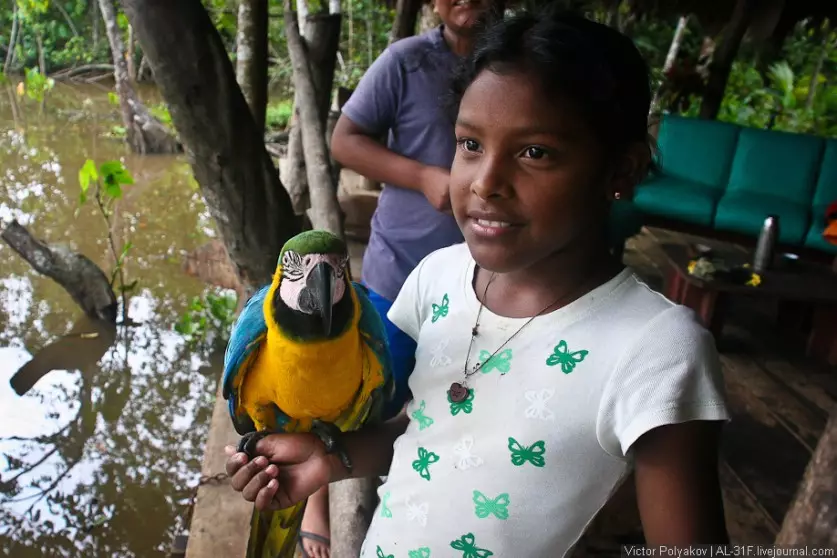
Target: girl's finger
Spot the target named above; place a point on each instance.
(264, 498)
(235, 461)
(259, 481)
(242, 477)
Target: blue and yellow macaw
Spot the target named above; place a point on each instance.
(308, 353)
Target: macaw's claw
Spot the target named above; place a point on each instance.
(331, 436)
(248, 442)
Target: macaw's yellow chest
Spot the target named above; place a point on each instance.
(306, 381)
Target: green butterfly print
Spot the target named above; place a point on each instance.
(385, 511)
(463, 406)
(499, 506)
(422, 552)
(566, 359)
(418, 415)
(466, 545)
(440, 310)
(381, 554)
(422, 464)
(533, 454)
(501, 362)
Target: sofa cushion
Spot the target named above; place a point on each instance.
(745, 213)
(697, 150)
(826, 191)
(778, 164)
(814, 237)
(678, 199)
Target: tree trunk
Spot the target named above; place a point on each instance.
(325, 211)
(676, 41)
(723, 58)
(251, 56)
(237, 178)
(322, 39)
(129, 56)
(406, 17)
(144, 133)
(144, 72)
(812, 518)
(428, 18)
(815, 75)
(351, 505)
(94, 16)
(39, 42)
(10, 54)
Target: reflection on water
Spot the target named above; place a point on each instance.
(97, 460)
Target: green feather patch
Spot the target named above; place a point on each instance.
(315, 242)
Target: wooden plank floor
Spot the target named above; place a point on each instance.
(779, 402)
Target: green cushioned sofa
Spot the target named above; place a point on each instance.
(725, 178)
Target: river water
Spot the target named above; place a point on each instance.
(100, 456)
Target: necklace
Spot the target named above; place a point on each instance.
(459, 391)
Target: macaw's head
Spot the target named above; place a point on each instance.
(312, 301)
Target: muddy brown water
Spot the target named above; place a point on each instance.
(99, 456)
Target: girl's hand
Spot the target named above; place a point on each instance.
(288, 469)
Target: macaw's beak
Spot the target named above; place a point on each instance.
(321, 284)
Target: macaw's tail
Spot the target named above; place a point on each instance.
(273, 534)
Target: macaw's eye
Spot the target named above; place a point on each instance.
(292, 267)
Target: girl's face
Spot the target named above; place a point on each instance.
(529, 179)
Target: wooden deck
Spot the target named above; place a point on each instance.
(779, 400)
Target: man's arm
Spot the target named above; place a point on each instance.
(678, 490)
(354, 148)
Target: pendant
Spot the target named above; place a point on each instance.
(458, 393)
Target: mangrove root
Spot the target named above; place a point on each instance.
(86, 283)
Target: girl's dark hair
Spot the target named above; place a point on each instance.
(592, 64)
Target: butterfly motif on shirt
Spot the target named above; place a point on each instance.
(467, 460)
(440, 310)
(439, 358)
(500, 362)
(380, 553)
(533, 454)
(485, 506)
(422, 552)
(417, 512)
(422, 464)
(467, 545)
(385, 511)
(568, 361)
(418, 415)
(538, 408)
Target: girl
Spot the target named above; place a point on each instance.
(398, 98)
(545, 372)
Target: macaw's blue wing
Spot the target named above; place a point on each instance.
(374, 334)
(248, 334)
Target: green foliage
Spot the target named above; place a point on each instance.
(208, 320)
(113, 177)
(37, 85)
(278, 114)
(108, 181)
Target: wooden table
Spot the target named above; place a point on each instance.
(801, 284)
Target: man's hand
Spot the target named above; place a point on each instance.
(288, 469)
(435, 185)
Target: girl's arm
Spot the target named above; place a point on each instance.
(678, 490)
(369, 449)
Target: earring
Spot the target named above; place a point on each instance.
(617, 195)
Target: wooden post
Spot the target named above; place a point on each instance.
(812, 517)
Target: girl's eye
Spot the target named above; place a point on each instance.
(535, 152)
(468, 144)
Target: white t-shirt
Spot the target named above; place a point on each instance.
(521, 467)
